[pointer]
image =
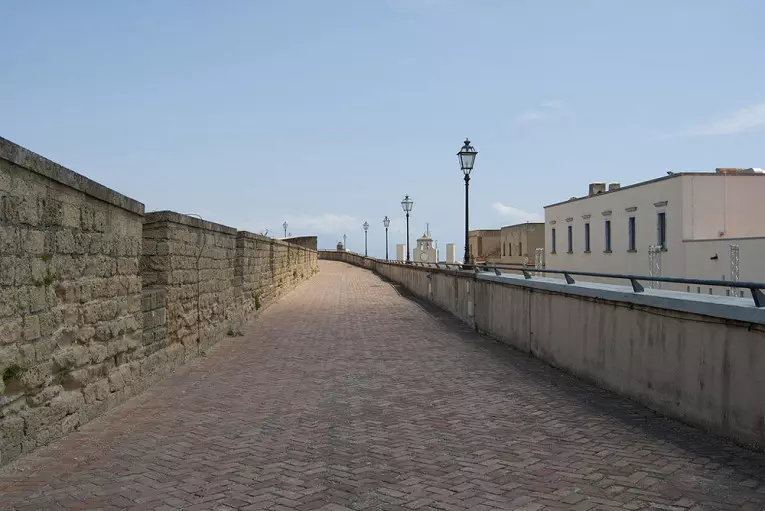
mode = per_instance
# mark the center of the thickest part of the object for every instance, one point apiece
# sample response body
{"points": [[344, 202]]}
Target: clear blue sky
{"points": [[325, 113]]}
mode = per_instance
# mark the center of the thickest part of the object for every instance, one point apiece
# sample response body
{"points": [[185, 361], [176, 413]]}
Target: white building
{"points": [[424, 251], [694, 217], [401, 252], [451, 253]]}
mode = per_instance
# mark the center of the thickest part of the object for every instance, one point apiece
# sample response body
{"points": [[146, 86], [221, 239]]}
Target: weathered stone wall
{"points": [[154, 320], [96, 304], [266, 269], [214, 277], [70, 299], [193, 262], [311, 242]]}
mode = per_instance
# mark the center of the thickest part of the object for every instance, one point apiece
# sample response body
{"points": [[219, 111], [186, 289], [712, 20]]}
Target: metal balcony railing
{"points": [[755, 288]]}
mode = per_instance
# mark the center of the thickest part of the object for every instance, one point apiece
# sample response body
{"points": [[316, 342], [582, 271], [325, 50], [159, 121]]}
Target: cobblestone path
{"points": [[347, 395]]}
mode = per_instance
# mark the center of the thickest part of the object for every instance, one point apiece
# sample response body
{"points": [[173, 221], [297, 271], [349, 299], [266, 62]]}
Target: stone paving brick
{"points": [[348, 395]]}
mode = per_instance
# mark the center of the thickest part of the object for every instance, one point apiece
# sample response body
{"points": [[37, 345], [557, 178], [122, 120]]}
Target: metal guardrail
{"points": [[755, 288]]}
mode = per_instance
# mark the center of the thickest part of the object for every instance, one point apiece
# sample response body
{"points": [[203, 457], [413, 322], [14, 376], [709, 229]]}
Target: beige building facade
{"points": [[694, 217], [484, 244], [519, 242]]}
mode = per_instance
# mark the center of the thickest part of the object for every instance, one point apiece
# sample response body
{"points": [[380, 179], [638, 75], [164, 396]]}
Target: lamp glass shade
{"points": [[467, 157], [406, 204]]}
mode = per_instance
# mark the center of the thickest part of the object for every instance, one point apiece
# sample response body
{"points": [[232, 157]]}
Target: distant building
{"points": [[692, 218], [484, 244], [451, 253], [424, 251], [400, 252], [519, 243]]}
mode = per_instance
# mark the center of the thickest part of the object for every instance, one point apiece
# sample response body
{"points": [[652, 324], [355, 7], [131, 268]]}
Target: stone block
{"points": [[72, 356], [45, 395], [32, 242], [65, 243], [116, 382], [11, 434], [98, 352], [10, 241], [44, 348], [72, 422], [86, 218], [7, 270], [99, 220], [67, 402], [127, 266], [36, 376], [85, 333], [31, 327], [37, 298], [70, 215], [51, 210], [11, 329], [103, 332], [116, 345]]}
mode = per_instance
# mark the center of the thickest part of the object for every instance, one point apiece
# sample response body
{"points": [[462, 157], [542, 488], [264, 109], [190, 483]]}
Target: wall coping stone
{"points": [[252, 235], [179, 218], [724, 307], [33, 162], [287, 242]]}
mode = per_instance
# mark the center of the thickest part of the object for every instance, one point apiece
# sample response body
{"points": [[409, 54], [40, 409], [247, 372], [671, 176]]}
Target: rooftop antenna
{"points": [[427, 230]]}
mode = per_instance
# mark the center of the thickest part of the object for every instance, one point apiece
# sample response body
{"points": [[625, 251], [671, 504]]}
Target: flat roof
{"points": [[521, 225], [650, 181]]}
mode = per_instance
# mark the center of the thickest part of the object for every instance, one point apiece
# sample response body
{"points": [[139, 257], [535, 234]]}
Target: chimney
{"points": [[597, 188], [613, 186]]}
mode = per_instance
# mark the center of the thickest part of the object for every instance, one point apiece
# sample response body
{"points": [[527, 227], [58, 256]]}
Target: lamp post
{"points": [[386, 223], [285, 228], [345, 247], [406, 204], [467, 158], [366, 228]]}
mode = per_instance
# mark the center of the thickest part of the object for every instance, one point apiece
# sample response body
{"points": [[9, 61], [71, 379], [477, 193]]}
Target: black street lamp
{"points": [[366, 228], [406, 204], [285, 228], [386, 223], [467, 158]]}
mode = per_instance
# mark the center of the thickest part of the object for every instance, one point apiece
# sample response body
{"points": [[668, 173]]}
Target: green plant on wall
{"points": [[257, 302], [50, 277], [11, 372]]}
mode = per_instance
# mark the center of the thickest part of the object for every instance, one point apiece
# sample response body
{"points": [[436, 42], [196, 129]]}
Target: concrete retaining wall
{"points": [[697, 358]]}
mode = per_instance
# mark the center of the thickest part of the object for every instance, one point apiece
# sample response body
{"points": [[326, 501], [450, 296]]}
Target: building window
{"points": [[520, 248], [631, 234], [504, 249], [570, 239], [510, 249], [587, 237], [661, 229], [552, 240], [608, 236]]}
